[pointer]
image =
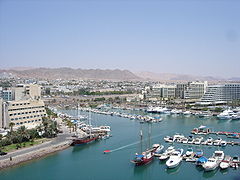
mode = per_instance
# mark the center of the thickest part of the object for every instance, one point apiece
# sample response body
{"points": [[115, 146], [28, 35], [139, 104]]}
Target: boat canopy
{"points": [[202, 159], [139, 156]]}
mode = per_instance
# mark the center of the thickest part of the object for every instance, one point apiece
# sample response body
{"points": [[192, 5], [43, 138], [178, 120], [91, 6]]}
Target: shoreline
{"points": [[24, 158]]}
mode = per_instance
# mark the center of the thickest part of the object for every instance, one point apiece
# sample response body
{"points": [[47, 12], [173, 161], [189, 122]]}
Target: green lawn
{"points": [[13, 147]]}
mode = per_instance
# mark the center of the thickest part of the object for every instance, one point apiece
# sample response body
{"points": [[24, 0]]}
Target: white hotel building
{"points": [[27, 108], [216, 94]]}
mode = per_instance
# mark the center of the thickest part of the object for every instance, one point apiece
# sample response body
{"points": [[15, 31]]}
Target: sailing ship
{"points": [[146, 156], [85, 137]]}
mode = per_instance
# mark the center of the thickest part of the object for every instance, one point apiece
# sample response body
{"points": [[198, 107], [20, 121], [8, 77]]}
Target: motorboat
{"points": [[198, 140], [235, 162], [167, 153], [226, 115], [225, 162], [204, 142], [187, 113], [214, 161], [175, 158], [217, 142], [223, 143], [219, 155], [184, 140], [204, 114], [159, 149], [199, 153], [209, 140], [210, 165], [189, 152], [190, 141], [168, 139]]}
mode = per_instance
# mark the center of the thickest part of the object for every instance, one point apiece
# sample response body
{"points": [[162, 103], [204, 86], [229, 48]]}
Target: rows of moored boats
{"points": [[179, 138], [141, 118], [225, 115], [174, 156]]}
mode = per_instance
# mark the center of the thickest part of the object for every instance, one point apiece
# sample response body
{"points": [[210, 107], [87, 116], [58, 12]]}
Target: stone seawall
{"points": [[33, 155]]}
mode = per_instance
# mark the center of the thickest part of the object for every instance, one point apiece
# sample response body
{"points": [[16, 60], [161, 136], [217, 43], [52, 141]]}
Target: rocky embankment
{"points": [[12, 161]]}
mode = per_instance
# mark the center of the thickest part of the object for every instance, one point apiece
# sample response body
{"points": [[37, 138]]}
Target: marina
{"points": [[92, 163]]}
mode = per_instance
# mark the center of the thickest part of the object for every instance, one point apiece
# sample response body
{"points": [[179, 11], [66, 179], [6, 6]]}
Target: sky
{"points": [[198, 37]]}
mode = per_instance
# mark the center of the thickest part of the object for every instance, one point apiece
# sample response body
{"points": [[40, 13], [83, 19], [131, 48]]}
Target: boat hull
{"points": [[143, 162], [78, 142], [170, 166]]}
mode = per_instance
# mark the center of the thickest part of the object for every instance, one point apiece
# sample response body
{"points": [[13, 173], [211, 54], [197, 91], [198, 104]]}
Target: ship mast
{"points": [[89, 122]]}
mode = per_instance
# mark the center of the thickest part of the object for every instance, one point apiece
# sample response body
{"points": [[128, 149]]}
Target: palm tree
{"points": [[70, 125], [22, 131], [11, 124]]}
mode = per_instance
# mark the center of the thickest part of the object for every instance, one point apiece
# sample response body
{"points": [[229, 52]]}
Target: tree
{"points": [[11, 124]]}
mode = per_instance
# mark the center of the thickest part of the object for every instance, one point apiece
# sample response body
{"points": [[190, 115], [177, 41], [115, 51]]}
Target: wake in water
{"points": [[128, 145]]}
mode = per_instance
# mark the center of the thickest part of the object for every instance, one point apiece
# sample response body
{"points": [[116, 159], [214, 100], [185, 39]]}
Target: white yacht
{"points": [[227, 114], [167, 153], [175, 159], [187, 113], [214, 161], [158, 150], [225, 162]]}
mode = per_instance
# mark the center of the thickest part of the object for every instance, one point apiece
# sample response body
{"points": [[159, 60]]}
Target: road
{"points": [[58, 140]]}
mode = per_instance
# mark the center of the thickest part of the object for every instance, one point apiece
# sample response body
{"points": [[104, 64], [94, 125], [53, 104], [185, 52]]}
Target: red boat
{"points": [[144, 158], [84, 140]]}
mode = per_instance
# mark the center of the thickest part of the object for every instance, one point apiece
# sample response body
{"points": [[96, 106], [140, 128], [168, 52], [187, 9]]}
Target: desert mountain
{"points": [[69, 73]]}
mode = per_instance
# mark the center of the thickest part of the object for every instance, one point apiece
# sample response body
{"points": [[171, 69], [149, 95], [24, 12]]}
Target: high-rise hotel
{"points": [[24, 109], [216, 94]]}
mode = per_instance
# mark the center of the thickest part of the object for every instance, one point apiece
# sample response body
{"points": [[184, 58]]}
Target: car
{"points": [[2, 153]]}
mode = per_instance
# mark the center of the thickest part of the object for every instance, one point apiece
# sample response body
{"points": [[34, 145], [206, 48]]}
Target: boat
{"points": [[187, 113], [184, 140], [233, 135], [209, 141], [175, 159], [198, 140], [189, 152], [106, 151], [226, 115], [168, 139], [214, 161], [223, 143], [190, 141], [199, 153], [235, 162], [200, 161], [210, 165], [85, 138], [159, 149], [225, 162], [146, 156], [204, 114], [167, 153], [217, 142]]}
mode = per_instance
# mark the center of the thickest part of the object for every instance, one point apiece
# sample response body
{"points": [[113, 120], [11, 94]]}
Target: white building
{"points": [[221, 93], [191, 90], [27, 108]]}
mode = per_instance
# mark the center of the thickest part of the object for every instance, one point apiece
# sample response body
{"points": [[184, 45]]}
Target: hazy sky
{"points": [[199, 37]]}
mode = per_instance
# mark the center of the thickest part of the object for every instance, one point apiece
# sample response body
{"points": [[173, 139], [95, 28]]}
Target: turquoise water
{"points": [[89, 163]]}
